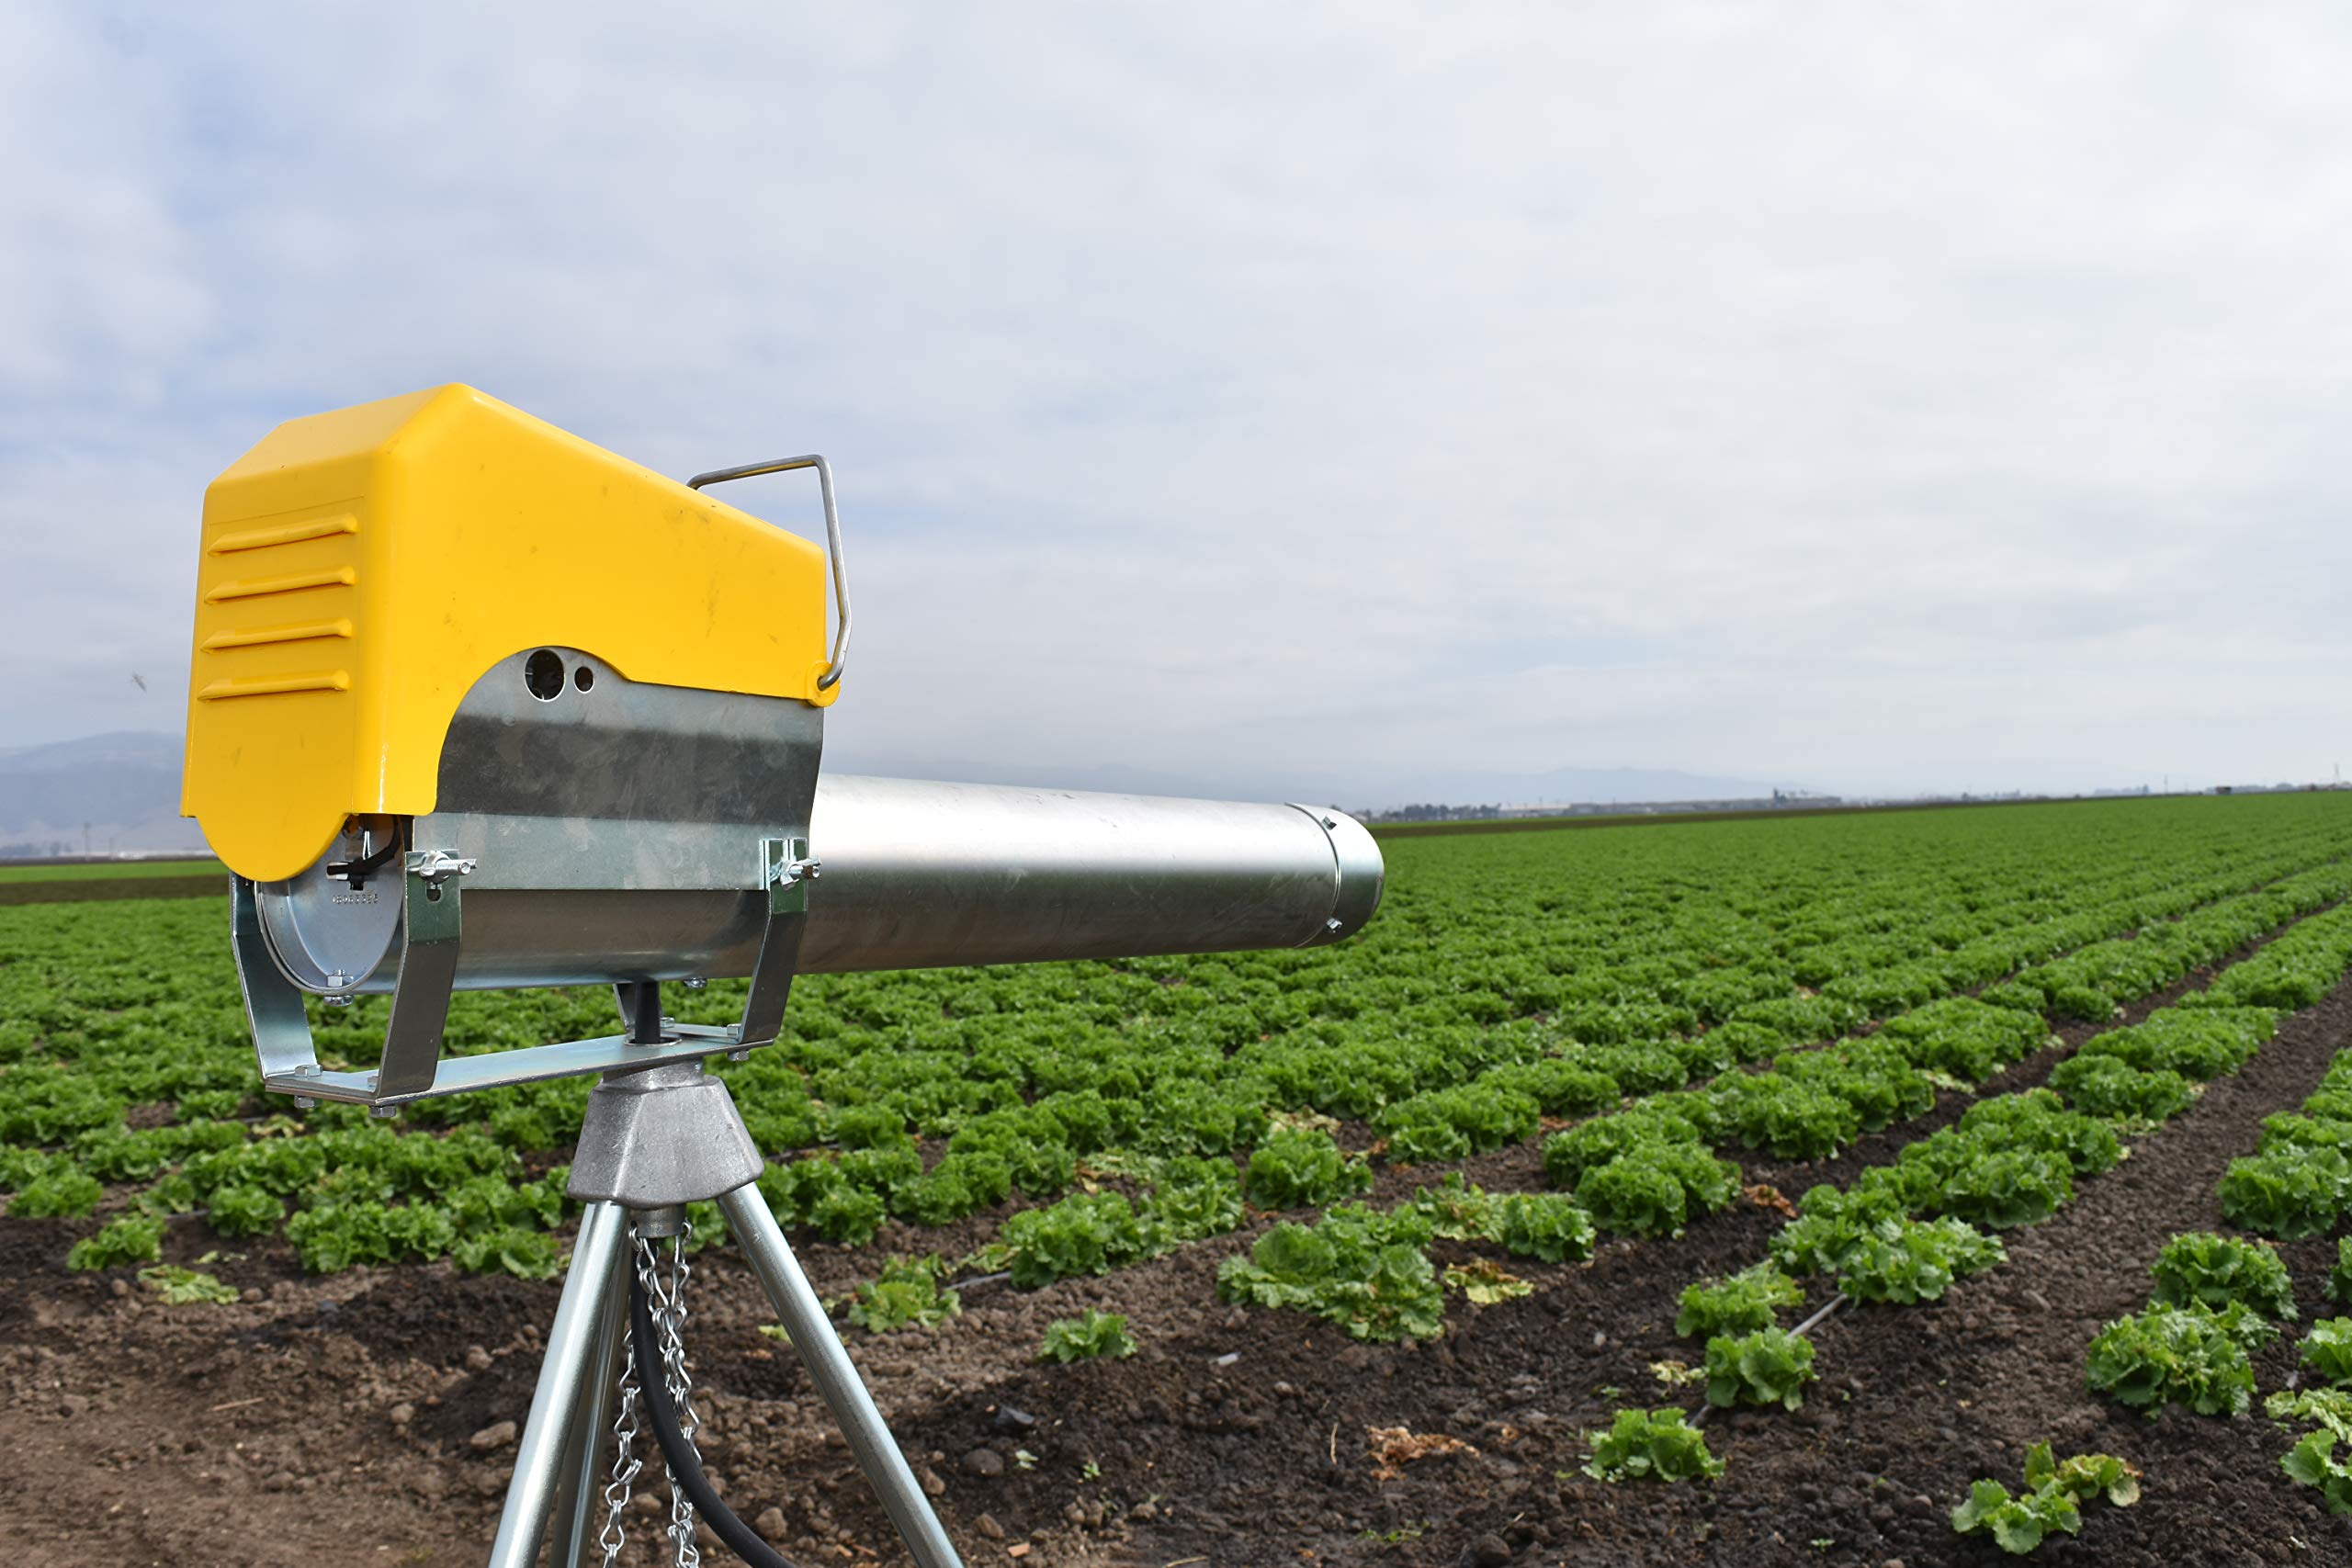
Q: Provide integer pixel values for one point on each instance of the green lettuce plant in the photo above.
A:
(2052, 1502)
(1651, 1444)
(1769, 1366)
(1906, 1262)
(1363, 1269)
(181, 1287)
(2185, 1354)
(2204, 1269)
(906, 1291)
(2327, 1349)
(1299, 1168)
(133, 1238)
(2291, 1192)
(1747, 1300)
(1087, 1335)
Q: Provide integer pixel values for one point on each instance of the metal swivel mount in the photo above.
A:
(655, 1139)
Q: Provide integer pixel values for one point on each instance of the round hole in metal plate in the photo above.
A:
(543, 674)
(583, 678)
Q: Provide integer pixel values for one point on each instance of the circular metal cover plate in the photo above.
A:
(327, 936)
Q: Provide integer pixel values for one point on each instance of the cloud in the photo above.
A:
(1854, 397)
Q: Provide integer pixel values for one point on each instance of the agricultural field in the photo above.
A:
(1908, 1186)
(102, 880)
(103, 870)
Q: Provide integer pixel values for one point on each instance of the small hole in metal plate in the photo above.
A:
(583, 678)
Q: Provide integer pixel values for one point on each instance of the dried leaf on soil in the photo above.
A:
(1393, 1448)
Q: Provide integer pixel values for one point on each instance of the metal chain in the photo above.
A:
(667, 1300)
(626, 1464)
(673, 1366)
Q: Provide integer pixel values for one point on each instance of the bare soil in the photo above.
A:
(351, 1419)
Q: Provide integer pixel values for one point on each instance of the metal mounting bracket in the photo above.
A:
(786, 871)
(432, 922)
(432, 929)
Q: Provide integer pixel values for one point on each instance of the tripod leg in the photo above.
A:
(577, 1514)
(836, 1378)
(597, 1259)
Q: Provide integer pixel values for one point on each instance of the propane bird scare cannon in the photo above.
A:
(478, 704)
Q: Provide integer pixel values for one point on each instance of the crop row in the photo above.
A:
(2297, 1184)
(2220, 1299)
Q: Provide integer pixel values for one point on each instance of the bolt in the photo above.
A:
(384, 1112)
(695, 982)
(303, 1102)
(1330, 925)
(742, 1056)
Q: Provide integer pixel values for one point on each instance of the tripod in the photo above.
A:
(655, 1139)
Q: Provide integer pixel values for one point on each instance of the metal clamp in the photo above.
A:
(434, 865)
(832, 674)
(788, 871)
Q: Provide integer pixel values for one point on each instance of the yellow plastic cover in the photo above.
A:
(361, 570)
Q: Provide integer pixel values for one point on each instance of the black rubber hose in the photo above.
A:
(685, 1465)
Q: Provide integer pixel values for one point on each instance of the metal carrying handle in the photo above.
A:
(832, 674)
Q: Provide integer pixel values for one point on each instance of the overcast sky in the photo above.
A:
(1856, 397)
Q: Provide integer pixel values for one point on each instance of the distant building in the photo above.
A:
(1432, 813)
(1779, 800)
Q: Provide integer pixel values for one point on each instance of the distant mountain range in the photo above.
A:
(122, 791)
(105, 792)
